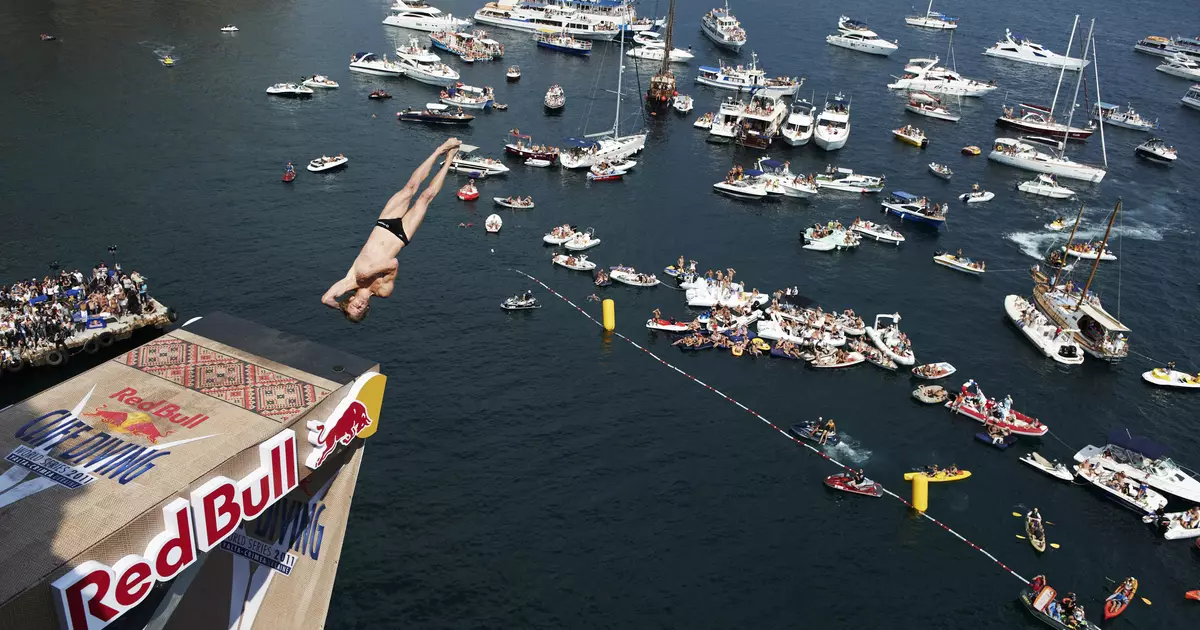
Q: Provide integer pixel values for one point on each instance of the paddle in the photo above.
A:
(1019, 515)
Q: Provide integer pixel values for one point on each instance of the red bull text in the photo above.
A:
(159, 409)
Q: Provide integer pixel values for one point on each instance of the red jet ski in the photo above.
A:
(844, 482)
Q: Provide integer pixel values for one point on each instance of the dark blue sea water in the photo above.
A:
(533, 473)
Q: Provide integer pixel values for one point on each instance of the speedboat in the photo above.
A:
(1053, 468)
(704, 122)
(657, 52)
(523, 146)
(741, 188)
(855, 35)
(797, 130)
(379, 95)
(911, 135)
(1046, 186)
(493, 224)
(723, 28)
(320, 81)
(631, 277)
(912, 208)
(520, 303)
(419, 16)
(1058, 224)
(1020, 154)
(682, 104)
(573, 262)
(1090, 250)
(437, 114)
(877, 231)
(537, 18)
(604, 173)
(833, 124)
(890, 340)
(580, 241)
(515, 203)
(750, 78)
(1167, 377)
(971, 150)
(325, 163)
(555, 98)
(370, 63)
(960, 263)
(924, 75)
(1052, 341)
(932, 19)
(289, 89)
(229, 28)
(1183, 66)
(467, 96)
(1124, 490)
(847, 180)
(1129, 119)
(941, 170)
(1017, 48)
(428, 71)
(933, 371)
(464, 162)
(564, 43)
(782, 180)
(513, 73)
(1192, 98)
(932, 110)
(1156, 150)
(1142, 459)
(977, 196)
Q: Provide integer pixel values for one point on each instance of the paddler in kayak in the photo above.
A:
(1121, 597)
(1035, 518)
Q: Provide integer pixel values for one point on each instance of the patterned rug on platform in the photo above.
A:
(237, 382)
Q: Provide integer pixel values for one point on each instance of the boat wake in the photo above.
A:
(849, 450)
(1035, 244)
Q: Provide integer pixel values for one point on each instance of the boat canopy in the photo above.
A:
(363, 55)
(1103, 318)
(855, 24)
(1102, 106)
(709, 69)
(753, 173)
(900, 194)
(436, 107)
(1129, 441)
(582, 143)
(772, 163)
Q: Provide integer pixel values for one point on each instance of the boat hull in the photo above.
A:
(1058, 61)
(1070, 170)
(884, 49)
(426, 24)
(1049, 130)
(581, 52)
(719, 39)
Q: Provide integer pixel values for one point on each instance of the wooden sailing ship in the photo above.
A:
(662, 92)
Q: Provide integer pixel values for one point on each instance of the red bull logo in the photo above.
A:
(355, 416)
(341, 430)
(158, 408)
(129, 423)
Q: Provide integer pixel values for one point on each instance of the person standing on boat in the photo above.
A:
(373, 272)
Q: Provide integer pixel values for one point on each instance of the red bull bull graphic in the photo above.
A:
(129, 423)
(94, 595)
(355, 416)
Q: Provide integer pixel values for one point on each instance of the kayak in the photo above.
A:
(1008, 441)
(1039, 543)
(806, 429)
(845, 483)
(1032, 602)
(1113, 607)
(930, 394)
(940, 477)
(1054, 469)
(933, 371)
(1193, 595)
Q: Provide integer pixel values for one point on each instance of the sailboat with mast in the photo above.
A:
(662, 92)
(1023, 155)
(606, 147)
(932, 19)
(1036, 119)
(1077, 309)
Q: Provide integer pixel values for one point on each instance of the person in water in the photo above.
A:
(373, 272)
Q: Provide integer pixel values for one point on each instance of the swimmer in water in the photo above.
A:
(374, 270)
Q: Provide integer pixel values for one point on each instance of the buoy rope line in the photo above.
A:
(782, 432)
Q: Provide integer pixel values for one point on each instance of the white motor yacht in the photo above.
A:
(1129, 119)
(931, 107)
(783, 181)
(1017, 48)
(538, 18)
(289, 89)
(1052, 341)
(1022, 155)
(878, 232)
(749, 188)
(750, 78)
(847, 180)
(620, 12)
(419, 16)
(855, 35)
(797, 130)
(656, 53)
(1045, 185)
(464, 162)
(370, 63)
(723, 28)
(833, 124)
(1156, 150)
(414, 50)
(926, 76)
(932, 19)
(326, 163)
(1142, 459)
(1183, 66)
(429, 72)
(1192, 98)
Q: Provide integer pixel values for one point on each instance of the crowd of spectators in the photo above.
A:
(38, 315)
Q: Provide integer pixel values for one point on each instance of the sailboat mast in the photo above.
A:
(1070, 239)
(929, 9)
(1103, 244)
(1096, 68)
(1075, 97)
(620, 72)
(666, 62)
(1063, 71)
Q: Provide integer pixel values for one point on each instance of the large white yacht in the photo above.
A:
(723, 28)
(619, 12)
(798, 128)
(925, 75)
(833, 124)
(754, 124)
(855, 35)
(430, 71)
(1181, 65)
(534, 18)
(1168, 46)
(932, 19)
(1022, 155)
(1017, 48)
(1139, 458)
(747, 78)
(1192, 98)
(419, 16)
